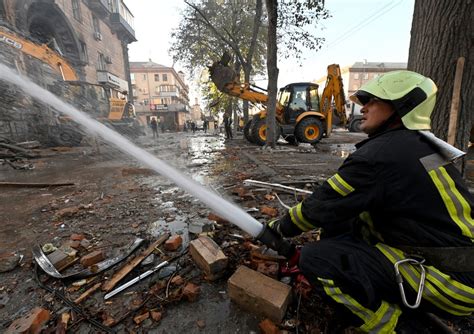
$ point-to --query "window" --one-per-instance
(76, 10)
(165, 77)
(157, 77)
(366, 76)
(356, 76)
(95, 24)
(144, 76)
(157, 89)
(84, 55)
(101, 64)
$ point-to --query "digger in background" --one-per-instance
(301, 115)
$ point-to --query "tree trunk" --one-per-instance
(257, 22)
(272, 69)
(441, 33)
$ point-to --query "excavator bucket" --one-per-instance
(222, 74)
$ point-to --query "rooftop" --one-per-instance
(391, 65)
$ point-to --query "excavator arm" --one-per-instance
(227, 81)
(333, 89)
(41, 52)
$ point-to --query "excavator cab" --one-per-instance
(296, 99)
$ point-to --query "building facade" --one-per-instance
(159, 91)
(91, 36)
(361, 72)
(196, 111)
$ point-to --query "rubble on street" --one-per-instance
(120, 248)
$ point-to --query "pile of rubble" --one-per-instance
(16, 155)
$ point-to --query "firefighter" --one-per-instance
(396, 218)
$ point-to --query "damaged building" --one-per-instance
(74, 48)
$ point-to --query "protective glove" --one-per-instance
(271, 237)
(275, 226)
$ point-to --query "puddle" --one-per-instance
(342, 150)
(178, 226)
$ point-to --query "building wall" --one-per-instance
(110, 45)
(23, 118)
(171, 105)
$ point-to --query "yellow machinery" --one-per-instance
(301, 115)
(121, 113)
(41, 52)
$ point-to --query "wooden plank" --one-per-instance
(34, 185)
(108, 285)
(453, 115)
(87, 293)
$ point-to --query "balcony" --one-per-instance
(168, 94)
(122, 21)
(99, 7)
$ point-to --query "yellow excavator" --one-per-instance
(121, 114)
(302, 116)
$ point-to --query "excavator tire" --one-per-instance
(309, 130)
(258, 131)
(248, 132)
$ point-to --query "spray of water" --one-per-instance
(222, 207)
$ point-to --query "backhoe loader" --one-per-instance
(121, 115)
(301, 115)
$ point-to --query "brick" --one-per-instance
(156, 316)
(191, 291)
(208, 256)
(268, 268)
(76, 244)
(31, 323)
(66, 212)
(217, 219)
(269, 211)
(139, 318)
(259, 294)
(173, 243)
(177, 280)
(77, 237)
(92, 258)
(268, 327)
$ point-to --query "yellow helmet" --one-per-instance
(412, 95)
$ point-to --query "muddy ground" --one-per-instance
(114, 200)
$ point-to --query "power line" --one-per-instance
(351, 32)
(360, 22)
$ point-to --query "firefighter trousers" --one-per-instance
(360, 277)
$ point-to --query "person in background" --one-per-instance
(154, 127)
(228, 126)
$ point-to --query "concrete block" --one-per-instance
(259, 294)
(208, 256)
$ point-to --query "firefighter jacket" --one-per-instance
(400, 192)
(400, 187)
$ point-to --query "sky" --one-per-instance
(371, 30)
